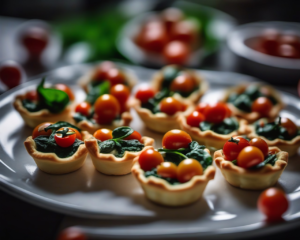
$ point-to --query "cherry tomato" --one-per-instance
(176, 139)
(115, 76)
(171, 106)
(201, 107)
(135, 135)
(102, 69)
(32, 95)
(288, 51)
(77, 133)
(187, 169)
(290, 39)
(66, 89)
(10, 75)
(150, 159)
(183, 83)
(167, 170)
(269, 41)
(103, 134)
(215, 113)
(71, 233)
(170, 16)
(83, 108)
(144, 94)
(195, 118)
(120, 92)
(262, 105)
(249, 157)
(176, 52)
(39, 130)
(185, 31)
(273, 203)
(107, 108)
(232, 148)
(261, 144)
(289, 125)
(64, 141)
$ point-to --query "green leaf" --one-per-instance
(169, 74)
(107, 146)
(227, 126)
(97, 89)
(153, 172)
(55, 126)
(31, 106)
(270, 159)
(243, 102)
(121, 132)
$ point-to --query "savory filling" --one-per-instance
(227, 126)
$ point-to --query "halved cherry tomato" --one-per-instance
(187, 169)
(273, 203)
(232, 148)
(120, 92)
(201, 107)
(32, 95)
(10, 75)
(167, 170)
(83, 108)
(71, 233)
(262, 105)
(261, 144)
(249, 157)
(102, 69)
(115, 76)
(170, 16)
(195, 118)
(176, 52)
(66, 89)
(144, 94)
(150, 159)
(183, 83)
(176, 139)
(107, 108)
(215, 113)
(64, 140)
(77, 133)
(103, 134)
(289, 125)
(39, 130)
(171, 106)
(135, 135)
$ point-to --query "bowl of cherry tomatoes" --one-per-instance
(183, 34)
(268, 50)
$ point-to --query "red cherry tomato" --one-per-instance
(144, 94)
(273, 203)
(64, 141)
(249, 157)
(71, 233)
(170, 16)
(176, 52)
(32, 95)
(290, 39)
(66, 89)
(289, 125)
(135, 135)
(171, 106)
(167, 170)
(150, 159)
(102, 69)
(107, 108)
(83, 108)
(183, 83)
(115, 76)
(288, 51)
(261, 144)
(120, 92)
(201, 107)
(103, 134)
(176, 139)
(262, 105)
(185, 31)
(39, 130)
(215, 113)
(269, 41)
(77, 133)
(195, 118)
(187, 169)
(232, 148)
(10, 75)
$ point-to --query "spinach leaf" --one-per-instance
(243, 102)
(153, 103)
(121, 132)
(31, 106)
(227, 126)
(55, 126)
(270, 159)
(253, 92)
(153, 172)
(106, 146)
(169, 74)
(96, 89)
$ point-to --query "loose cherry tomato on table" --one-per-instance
(150, 159)
(176, 139)
(262, 105)
(215, 113)
(176, 52)
(39, 130)
(171, 106)
(134, 136)
(71, 233)
(66, 89)
(107, 108)
(65, 137)
(144, 94)
(249, 157)
(201, 107)
(120, 92)
(273, 203)
(102, 69)
(195, 118)
(115, 76)
(289, 125)
(233, 147)
(167, 170)
(32, 95)
(83, 108)
(187, 169)
(183, 83)
(103, 134)
(261, 144)
(10, 75)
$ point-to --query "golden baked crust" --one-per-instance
(161, 122)
(108, 163)
(161, 192)
(259, 179)
(51, 163)
(209, 138)
(32, 119)
(194, 96)
(253, 116)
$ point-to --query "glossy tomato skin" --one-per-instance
(71, 233)
(176, 52)
(170, 106)
(107, 108)
(261, 144)
(66, 89)
(83, 108)
(175, 139)
(187, 169)
(195, 118)
(144, 94)
(150, 159)
(262, 105)
(185, 31)
(102, 69)
(120, 92)
(167, 170)
(32, 96)
(215, 113)
(10, 75)
(183, 83)
(66, 141)
(115, 76)
(77, 133)
(103, 134)
(134, 136)
(288, 51)
(249, 157)
(39, 130)
(232, 149)
(289, 125)
(273, 203)
(201, 107)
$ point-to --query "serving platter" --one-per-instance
(118, 203)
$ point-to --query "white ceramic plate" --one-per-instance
(118, 202)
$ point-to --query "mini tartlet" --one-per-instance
(257, 179)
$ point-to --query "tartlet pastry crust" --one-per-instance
(253, 116)
(109, 164)
(194, 96)
(32, 119)
(259, 179)
(51, 163)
